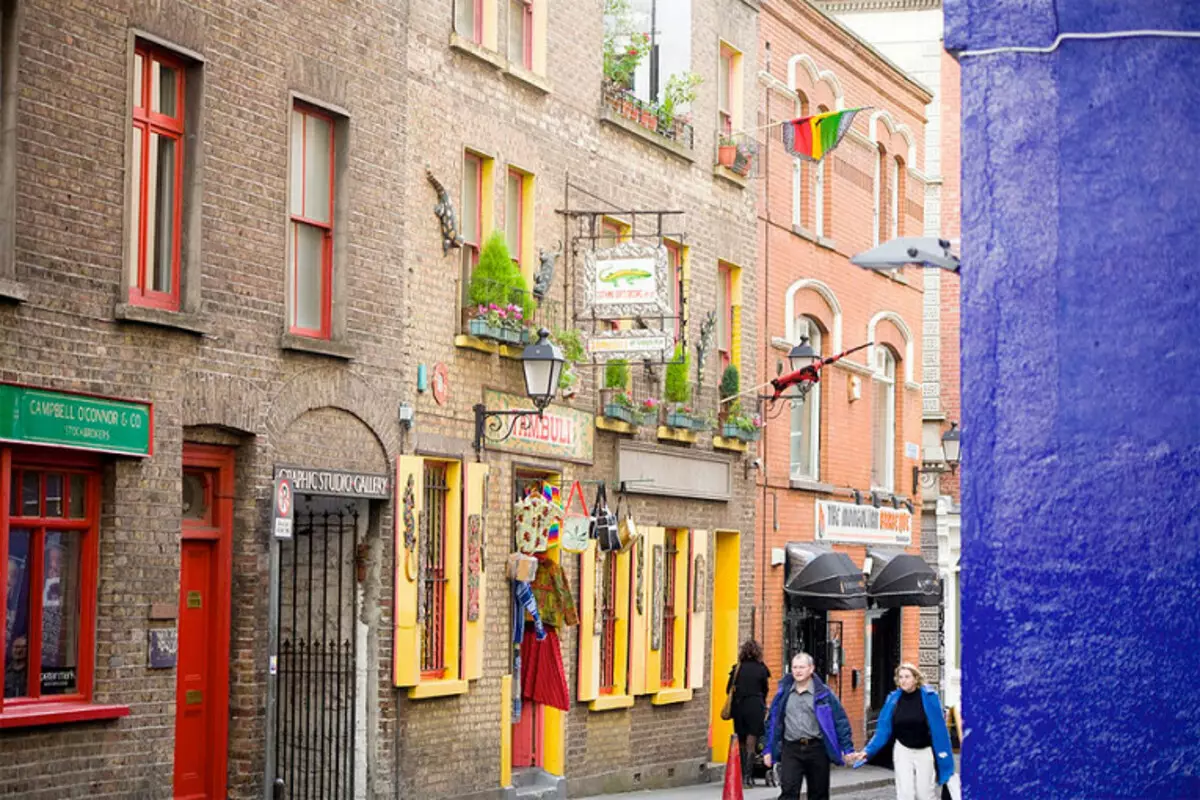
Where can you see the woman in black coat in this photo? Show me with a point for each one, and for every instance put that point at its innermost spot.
(748, 680)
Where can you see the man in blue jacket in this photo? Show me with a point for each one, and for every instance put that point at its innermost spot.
(807, 730)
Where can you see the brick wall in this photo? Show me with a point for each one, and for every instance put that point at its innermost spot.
(788, 255)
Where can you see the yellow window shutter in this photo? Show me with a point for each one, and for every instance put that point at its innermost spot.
(474, 570)
(639, 595)
(406, 638)
(698, 630)
(588, 687)
(653, 541)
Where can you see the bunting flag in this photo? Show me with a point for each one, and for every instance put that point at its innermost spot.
(810, 138)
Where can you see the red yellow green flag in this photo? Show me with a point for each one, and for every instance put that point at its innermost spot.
(810, 138)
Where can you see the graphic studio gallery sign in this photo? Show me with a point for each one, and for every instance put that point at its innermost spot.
(846, 522)
(335, 482)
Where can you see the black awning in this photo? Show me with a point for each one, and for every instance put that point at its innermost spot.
(822, 578)
(901, 579)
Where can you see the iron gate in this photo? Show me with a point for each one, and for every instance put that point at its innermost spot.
(315, 697)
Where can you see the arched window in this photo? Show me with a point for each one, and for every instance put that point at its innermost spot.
(806, 415)
(799, 168)
(880, 159)
(897, 196)
(819, 177)
(883, 435)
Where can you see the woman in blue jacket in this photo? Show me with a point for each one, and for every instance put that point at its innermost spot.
(913, 725)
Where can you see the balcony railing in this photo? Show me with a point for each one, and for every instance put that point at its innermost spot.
(650, 116)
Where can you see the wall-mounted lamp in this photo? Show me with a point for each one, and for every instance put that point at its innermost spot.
(926, 474)
(543, 363)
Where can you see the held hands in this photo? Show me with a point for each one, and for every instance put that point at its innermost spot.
(856, 758)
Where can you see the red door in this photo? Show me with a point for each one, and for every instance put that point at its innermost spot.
(194, 686)
(525, 736)
(202, 665)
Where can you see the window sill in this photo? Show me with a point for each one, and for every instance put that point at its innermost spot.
(33, 714)
(734, 445)
(321, 347)
(448, 688)
(668, 696)
(13, 291)
(679, 151)
(804, 233)
(478, 51)
(727, 174)
(465, 342)
(806, 485)
(827, 243)
(531, 79)
(611, 702)
(189, 322)
(854, 366)
(684, 435)
(615, 425)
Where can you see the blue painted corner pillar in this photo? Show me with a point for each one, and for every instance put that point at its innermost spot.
(1081, 398)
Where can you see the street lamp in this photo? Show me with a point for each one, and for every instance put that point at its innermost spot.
(802, 355)
(923, 251)
(542, 363)
(927, 473)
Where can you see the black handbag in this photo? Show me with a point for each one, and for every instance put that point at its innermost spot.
(604, 523)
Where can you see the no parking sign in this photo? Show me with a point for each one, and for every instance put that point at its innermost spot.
(283, 509)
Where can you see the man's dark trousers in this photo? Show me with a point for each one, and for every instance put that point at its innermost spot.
(807, 761)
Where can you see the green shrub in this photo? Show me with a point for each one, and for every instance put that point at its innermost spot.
(678, 390)
(571, 343)
(616, 374)
(731, 382)
(497, 281)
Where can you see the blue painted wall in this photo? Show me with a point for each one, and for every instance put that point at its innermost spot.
(1081, 398)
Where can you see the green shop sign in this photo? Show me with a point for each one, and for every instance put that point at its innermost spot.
(35, 416)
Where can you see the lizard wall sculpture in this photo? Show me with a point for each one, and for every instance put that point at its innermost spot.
(445, 214)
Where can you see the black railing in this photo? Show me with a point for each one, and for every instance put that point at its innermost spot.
(652, 117)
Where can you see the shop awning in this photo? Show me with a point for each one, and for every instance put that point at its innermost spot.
(896, 578)
(822, 578)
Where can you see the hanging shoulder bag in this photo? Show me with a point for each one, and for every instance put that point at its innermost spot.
(627, 532)
(576, 525)
(604, 524)
(727, 709)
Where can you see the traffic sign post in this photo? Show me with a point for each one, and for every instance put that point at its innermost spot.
(283, 509)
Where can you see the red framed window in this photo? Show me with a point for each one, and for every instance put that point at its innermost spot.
(48, 540)
(311, 209)
(725, 314)
(472, 213)
(157, 201)
(520, 32)
(433, 636)
(608, 620)
(468, 19)
(725, 85)
(514, 214)
(670, 553)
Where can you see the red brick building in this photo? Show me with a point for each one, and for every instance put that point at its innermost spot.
(220, 264)
(845, 452)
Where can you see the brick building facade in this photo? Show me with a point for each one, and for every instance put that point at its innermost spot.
(298, 298)
(848, 448)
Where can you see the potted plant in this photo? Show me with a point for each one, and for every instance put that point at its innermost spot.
(678, 391)
(680, 92)
(622, 408)
(499, 293)
(649, 407)
(649, 117)
(726, 151)
(740, 425)
(742, 158)
(729, 387)
(616, 378)
(571, 344)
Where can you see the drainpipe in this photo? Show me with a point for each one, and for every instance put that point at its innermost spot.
(766, 336)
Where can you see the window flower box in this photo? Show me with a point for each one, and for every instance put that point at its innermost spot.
(731, 430)
(483, 328)
(682, 420)
(623, 413)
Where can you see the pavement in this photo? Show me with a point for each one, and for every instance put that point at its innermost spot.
(843, 782)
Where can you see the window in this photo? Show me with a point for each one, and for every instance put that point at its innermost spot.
(434, 574)
(676, 263)
(310, 240)
(608, 621)
(798, 172)
(440, 604)
(612, 232)
(726, 314)
(10, 37)
(894, 209)
(806, 416)
(468, 19)
(819, 175)
(520, 33)
(884, 411)
(49, 585)
(671, 22)
(671, 557)
(475, 222)
(725, 89)
(157, 170)
(518, 220)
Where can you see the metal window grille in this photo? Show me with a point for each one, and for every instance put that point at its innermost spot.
(433, 636)
(608, 617)
(671, 549)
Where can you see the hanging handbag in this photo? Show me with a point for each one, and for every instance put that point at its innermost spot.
(627, 532)
(576, 526)
(604, 524)
(727, 709)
